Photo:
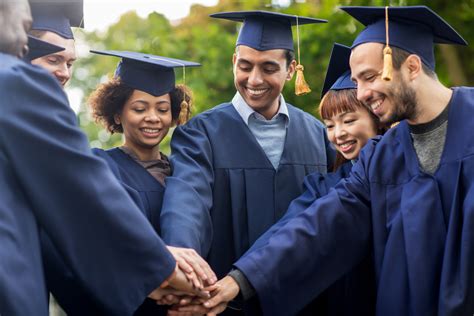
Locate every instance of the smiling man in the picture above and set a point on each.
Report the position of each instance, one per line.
(238, 166)
(52, 22)
(409, 200)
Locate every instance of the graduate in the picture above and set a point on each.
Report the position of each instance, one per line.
(49, 178)
(350, 124)
(142, 101)
(237, 166)
(410, 197)
(52, 22)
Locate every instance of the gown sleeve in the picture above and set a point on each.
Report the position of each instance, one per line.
(315, 185)
(315, 248)
(185, 218)
(75, 198)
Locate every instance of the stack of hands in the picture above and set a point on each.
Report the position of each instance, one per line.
(193, 288)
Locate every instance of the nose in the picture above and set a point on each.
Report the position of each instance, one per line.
(339, 131)
(363, 94)
(255, 77)
(152, 116)
(63, 73)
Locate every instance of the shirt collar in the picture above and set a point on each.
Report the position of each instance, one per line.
(245, 110)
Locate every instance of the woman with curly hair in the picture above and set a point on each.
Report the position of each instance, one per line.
(142, 101)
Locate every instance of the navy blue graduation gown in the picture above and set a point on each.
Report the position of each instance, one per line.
(147, 193)
(354, 293)
(419, 227)
(136, 179)
(50, 179)
(224, 192)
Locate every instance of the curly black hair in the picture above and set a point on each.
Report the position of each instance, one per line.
(110, 97)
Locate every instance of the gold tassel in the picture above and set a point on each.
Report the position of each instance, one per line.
(387, 53)
(183, 113)
(301, 87)
(387, 64)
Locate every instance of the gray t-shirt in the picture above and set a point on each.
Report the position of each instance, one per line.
(428, 140)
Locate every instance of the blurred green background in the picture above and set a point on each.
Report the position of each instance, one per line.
(211, 43)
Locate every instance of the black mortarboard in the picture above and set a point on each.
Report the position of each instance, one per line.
(38, 48)
(412, 28)
(338, 74)
(263, 30)
(57, 16)
(149, 73)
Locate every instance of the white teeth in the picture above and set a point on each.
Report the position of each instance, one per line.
(151, 130)
(256, 92)
(346, 144)
(376, 105)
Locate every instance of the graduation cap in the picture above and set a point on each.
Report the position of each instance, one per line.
(150, 73)
(39, 48)
(57, 16)
(338, 74)
(412, 28)
(264, 30)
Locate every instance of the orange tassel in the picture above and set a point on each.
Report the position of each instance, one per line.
(301, 87)
(387, 64)
(183, 113)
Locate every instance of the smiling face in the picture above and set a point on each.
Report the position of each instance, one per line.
(58, 64)
(350, 131)
(259, 76)
(145, 120)
(392, 100)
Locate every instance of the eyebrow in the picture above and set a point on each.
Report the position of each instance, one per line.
(364, 72)
(266, 63)
(56, 55)
(140, 101)
(361, 74)
(341, 115)
(242, 60)
(271, 63)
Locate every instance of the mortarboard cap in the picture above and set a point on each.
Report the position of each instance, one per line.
(338, 74)
(264, 30)
(39, 48)
(149, 73)
(412, 28)
(57, 16)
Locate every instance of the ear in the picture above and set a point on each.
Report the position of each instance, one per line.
(414, 65)
(117, 119)
(234, 61)
(291, 70)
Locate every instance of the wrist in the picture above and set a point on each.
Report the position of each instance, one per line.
(168, 280)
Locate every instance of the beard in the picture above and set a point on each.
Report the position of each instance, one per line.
(404, 98)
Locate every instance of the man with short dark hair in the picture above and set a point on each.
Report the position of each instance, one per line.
(237, 167)
(410, 197)
(52, 22)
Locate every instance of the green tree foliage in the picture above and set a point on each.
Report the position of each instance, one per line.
(211, 42)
